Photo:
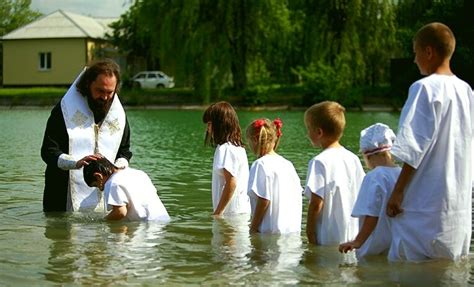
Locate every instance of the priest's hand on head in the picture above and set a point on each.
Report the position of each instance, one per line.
(85, 160)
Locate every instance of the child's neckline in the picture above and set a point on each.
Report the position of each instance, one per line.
(444, 74)
(334, 145)
(272, 153)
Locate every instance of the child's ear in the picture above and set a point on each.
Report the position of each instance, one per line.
(429, 51)
(98, 176)
(319, 132)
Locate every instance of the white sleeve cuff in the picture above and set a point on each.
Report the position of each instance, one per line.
(66, 162)
(121, 163)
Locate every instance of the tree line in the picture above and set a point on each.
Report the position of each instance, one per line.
(329, 46)
(332, 49)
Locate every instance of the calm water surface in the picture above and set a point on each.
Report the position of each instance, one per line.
(193, 249)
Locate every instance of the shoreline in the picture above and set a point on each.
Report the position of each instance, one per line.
(364, 108)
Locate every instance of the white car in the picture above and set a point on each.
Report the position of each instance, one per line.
(152, 80)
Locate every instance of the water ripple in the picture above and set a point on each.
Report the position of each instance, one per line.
(192, 249)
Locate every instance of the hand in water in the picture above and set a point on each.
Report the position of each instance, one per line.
(349, 246)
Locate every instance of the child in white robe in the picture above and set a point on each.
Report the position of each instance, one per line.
(374, 236)
(333, 180)
(128, 192)
(230, 171)
(431, 201)
(274, 186)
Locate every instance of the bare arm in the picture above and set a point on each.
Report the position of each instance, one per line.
(394, 204)
(260, 210)
(117, 213)
(367, 227)
(227, 193)
(315, 206)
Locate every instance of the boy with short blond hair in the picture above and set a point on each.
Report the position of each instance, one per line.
(431, 201)
(333, 180)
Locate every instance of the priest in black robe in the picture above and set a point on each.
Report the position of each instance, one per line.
(88, 121)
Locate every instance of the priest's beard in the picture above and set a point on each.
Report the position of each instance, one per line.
(99, 107)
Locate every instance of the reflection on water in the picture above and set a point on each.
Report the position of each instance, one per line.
(95, 250)
(194, 248)
(231, 247)
(275, 256)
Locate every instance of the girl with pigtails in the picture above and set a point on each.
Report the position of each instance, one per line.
(274, 186)
(230, 169)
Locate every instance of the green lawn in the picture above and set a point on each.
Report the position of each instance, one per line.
(32, 92)
(273, 95)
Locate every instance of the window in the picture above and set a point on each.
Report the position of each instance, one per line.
(45, 61)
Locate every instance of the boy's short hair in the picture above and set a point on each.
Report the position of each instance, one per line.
(328, 116)
(438, 36)
(101, 165)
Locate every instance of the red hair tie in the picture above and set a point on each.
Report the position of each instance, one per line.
(278, 124)
(258, 124)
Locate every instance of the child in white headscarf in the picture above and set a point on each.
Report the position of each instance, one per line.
(374, 235)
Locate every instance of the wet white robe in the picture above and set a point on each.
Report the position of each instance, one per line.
(234, 160)
(434, 137)
(335, 175)
(274, 178)
(133, 188)
(371, 201)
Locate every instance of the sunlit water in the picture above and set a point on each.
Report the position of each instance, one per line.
(193, 249)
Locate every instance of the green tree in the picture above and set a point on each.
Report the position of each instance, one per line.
(14, 14)
(412, 15)
(208, 44)
(215, 44)
(352, 40)
(133, 38)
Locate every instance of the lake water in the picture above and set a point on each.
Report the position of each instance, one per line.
(193, 249)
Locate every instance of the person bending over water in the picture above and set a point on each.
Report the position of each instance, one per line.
(128, 192)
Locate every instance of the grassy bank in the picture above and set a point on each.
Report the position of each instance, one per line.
(39, 96)
(258, 96)
(44, 96)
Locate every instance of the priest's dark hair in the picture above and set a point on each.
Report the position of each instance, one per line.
(105, 66)
(101, 165)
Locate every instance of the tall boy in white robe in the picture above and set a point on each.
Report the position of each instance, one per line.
(431, 201)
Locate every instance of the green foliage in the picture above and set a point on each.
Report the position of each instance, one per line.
(206, 44)
(329, 47)
(31, 96)
(32, 92)
(325, 82)
(412, 15)
(256, 95)
(133, 37)
(14, 14)
(319, 80)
